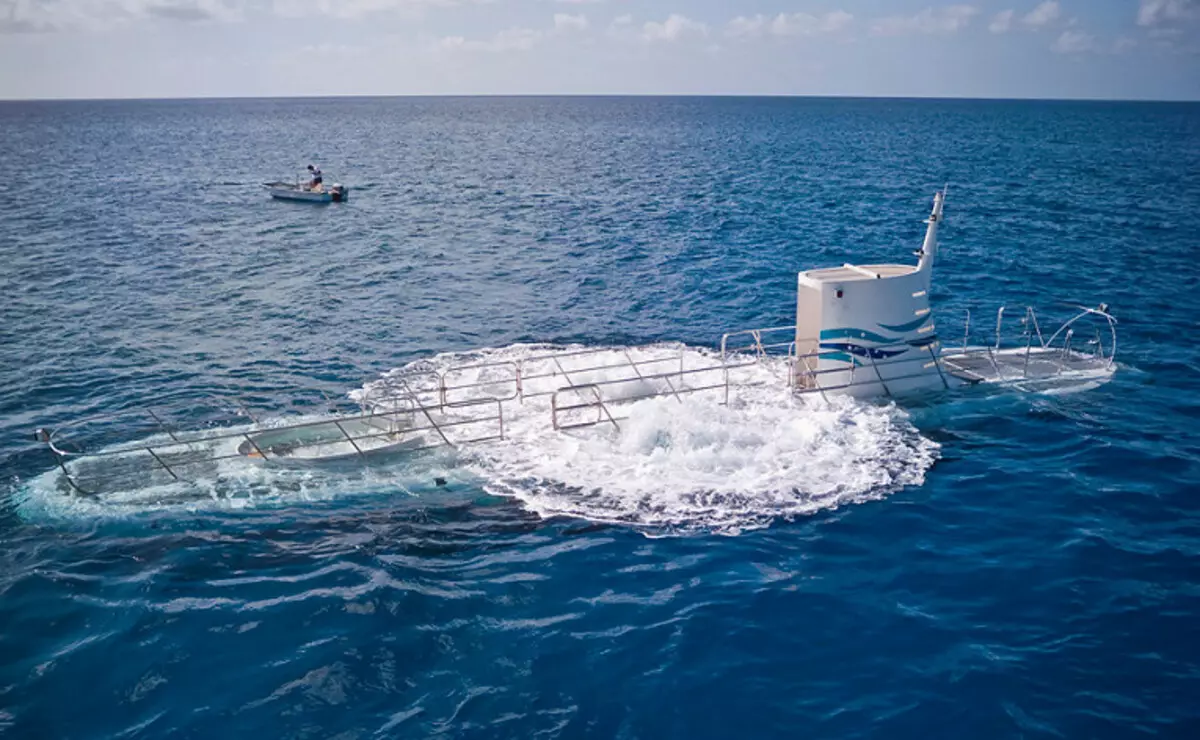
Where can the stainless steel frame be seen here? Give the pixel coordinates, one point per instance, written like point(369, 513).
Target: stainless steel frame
point(424, 408)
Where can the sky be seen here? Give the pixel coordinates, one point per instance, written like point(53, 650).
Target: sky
point(1116, 49)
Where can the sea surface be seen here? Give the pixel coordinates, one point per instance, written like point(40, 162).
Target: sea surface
point(983, 565)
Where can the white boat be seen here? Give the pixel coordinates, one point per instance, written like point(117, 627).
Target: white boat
point(862, 330)
point(336, 193)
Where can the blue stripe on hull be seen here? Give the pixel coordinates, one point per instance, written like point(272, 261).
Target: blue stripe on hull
point(910, 326)
point(861, 351)
point(857, 334)
point(841, 357)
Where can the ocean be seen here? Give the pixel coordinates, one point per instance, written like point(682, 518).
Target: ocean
point(985, 565)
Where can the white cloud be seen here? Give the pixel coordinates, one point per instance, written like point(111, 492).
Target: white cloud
point(743, 26)
point(352, 9)
point(673, 28)
point(1043, 15)
point(1123, 44)
point(333, 50)
point(1001, 22)
point(790, 24)
point(623, 20)
point(564, 22)
point(1074, 42)
point(950, 19)
point(92, 15)
point(346, 9)
point(1157, 12)
point(512, 39)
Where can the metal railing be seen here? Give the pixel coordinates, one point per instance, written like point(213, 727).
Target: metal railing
point(174, 457)
point(426, 408)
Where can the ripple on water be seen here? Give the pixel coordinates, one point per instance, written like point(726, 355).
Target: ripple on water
point(1036, 580)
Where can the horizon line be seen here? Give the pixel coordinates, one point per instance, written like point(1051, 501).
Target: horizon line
point(368, 96)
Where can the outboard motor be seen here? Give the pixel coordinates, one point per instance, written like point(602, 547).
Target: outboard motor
point(340, 192)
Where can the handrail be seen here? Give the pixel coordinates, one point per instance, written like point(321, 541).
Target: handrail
point(1031, 316)
point(1085, 311)
point(417, 409)
point(554, 408)
point(429, 416)
point(666, 378)
point(756, 333)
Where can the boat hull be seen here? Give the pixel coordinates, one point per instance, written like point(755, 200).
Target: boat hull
point(328, 441)
point(286, 191)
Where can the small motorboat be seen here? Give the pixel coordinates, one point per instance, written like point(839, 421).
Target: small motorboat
point(336, 193)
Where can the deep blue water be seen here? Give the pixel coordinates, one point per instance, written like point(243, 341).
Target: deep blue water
point(1043, 580)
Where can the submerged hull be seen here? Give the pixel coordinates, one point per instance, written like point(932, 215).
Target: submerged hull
point(335, 439)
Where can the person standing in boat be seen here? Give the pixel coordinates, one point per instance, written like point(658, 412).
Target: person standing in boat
point(315, 174)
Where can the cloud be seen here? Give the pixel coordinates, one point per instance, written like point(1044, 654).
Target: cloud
point(675, 27)
point(44, 16)
point(950, 19)
point(1074, 42)
point(193, 10)
point(623, 20)
point(1123, 44)
point(1043, 15)
point(1160, 12)
point(1001, 22)
point(564, 22)
point(512, 39)
point(743, 26)
point(354, 9)
point(790, 24)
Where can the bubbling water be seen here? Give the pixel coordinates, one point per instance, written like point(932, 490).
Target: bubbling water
point(687, 462)
point(690, 459)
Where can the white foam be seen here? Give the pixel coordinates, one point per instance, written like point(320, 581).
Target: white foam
point(670, 463)
point(690, 462)
point(230, 484)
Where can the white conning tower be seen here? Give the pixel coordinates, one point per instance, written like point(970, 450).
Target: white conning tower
point(868, 330)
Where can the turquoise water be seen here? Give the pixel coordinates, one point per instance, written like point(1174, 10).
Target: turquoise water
point(986, 565)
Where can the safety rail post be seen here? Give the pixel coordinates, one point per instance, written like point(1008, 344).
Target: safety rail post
point(62, 464)
point(600, 403)
point(999, 322)
point(416, 401)
point(254, 444)
point(1028, 346)
point(554, 409)
point(436, 427)
point(1066, 350)
point(967, 330)
point(601, 408)
point(160, 462)
point(995, 365)
point(349, 439)
point(938, 364)
point(878, 374)
point(666, 378)
point(1031, 316)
